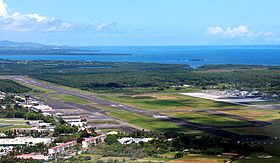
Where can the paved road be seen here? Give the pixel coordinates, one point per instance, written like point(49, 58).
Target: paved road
point(186, 124)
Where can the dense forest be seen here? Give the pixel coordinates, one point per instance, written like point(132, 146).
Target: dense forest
point(116, 75)
point(10, 86)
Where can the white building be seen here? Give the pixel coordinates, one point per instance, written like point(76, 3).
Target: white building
point(134, 140)
point(62, 148)
point(93, 140)
point(43, 108)
point(33, 157)
point(24, 141)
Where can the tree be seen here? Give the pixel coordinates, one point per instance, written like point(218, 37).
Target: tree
point(111, 139)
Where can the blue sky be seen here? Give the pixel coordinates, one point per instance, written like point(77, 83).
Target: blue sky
point(140, 22)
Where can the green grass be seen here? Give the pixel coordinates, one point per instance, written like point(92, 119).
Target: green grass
point(7, 128)
point(68, 98)
point(257, 114)
point(12, 121)
point(167, 101)
point(255, 159)
point(145, 122)
point(206, 119)
point(271, 130)
point(263, 102)
point(140, 90)
point(199, 158)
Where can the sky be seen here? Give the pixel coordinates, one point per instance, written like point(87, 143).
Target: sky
point(140, 22)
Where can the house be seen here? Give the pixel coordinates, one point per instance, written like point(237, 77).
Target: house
point(62, 148)
point(22, 141)
point(93, 140)
point(33, 157)
point(31, 130)
point(43, 108)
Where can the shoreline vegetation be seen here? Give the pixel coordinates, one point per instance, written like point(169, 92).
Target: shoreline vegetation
point(152, 77)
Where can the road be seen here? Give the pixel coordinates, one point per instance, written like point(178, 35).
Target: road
point(214, 130)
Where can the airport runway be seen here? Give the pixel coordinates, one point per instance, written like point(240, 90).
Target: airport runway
point(214, 130)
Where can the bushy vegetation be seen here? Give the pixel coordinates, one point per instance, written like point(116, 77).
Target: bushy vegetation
point(174, 142)
point(118, 76)
point(10, 86)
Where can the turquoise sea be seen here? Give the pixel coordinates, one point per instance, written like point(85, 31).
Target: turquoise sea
point(191, 55)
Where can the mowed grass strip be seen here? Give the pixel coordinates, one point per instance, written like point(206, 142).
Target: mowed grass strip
point(147, 122)
point(206, 119)
point(256, 114)
point(271, 130)
point(36, 90)
point(165, 102)
point(68, 98)
point(12, 123)
point(255, 158)
point(199, 158)
point(7, 128)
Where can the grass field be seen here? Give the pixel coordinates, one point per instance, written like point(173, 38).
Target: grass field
point(271, 130)
point(254, 158)
point(165, 102)
point(68, 98)
point(7, 128)
point(13, 123)
point(257, 114)
point(206, 119)
point(36, 90)
point(169, 158)
point(197, 158)
point(146, 122)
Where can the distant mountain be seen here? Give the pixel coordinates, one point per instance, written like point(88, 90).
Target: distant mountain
point(10, 45)
point(29, 48)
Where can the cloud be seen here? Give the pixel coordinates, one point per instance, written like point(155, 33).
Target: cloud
point(102, 27)
point(3, 8)
point(268, 34)
point(29, 22)
point(240, 31)
point(215, 30)
point(35, 22)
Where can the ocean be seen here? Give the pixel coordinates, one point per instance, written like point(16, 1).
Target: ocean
point(189, 55)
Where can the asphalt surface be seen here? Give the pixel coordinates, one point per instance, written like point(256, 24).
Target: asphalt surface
point(214, 130)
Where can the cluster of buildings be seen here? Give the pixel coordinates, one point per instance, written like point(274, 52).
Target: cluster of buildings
point(37, 126)
point(24, 141)
point(240, 94)
point(234, 93)
point(74, 120)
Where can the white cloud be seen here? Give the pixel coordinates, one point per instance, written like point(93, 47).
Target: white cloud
point(32, 22)
point(29, 22)
point(36, 22)
point(268, 34)
point(215, 30)
point(240, 31)
point(99, 26)
point(3, 8)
